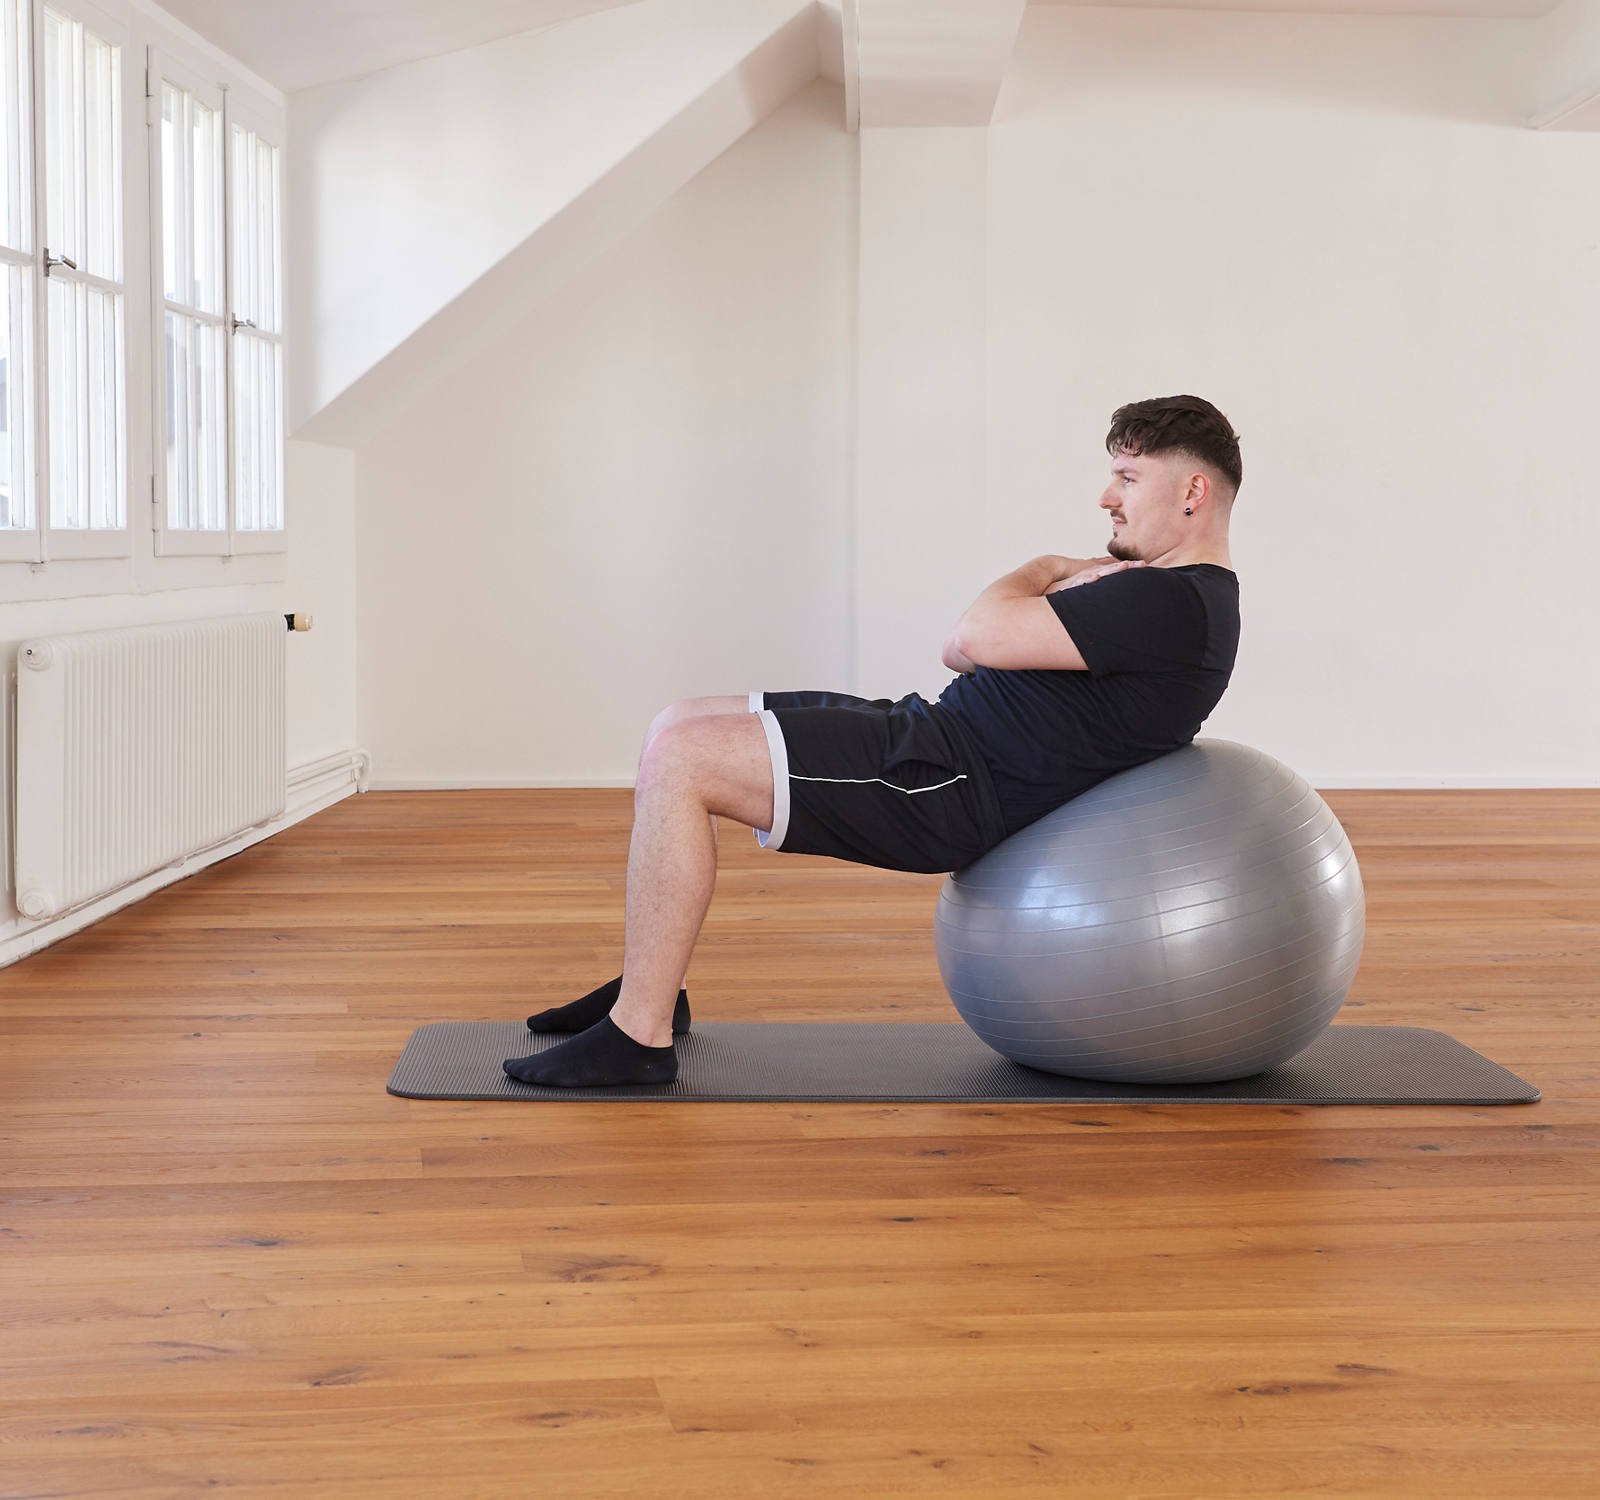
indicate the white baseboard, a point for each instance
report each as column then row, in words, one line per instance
column 312, row 787
column 321, row 783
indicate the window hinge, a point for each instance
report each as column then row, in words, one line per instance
column 149, row 100
column 155, row 506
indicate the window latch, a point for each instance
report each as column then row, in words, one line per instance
column 56, row 260
column 239, row 323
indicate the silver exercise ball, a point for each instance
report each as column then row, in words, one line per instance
column 1195, row 919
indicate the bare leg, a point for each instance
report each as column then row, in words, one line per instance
column 693, row 708
column 672, row 870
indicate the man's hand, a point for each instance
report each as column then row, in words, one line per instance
column 1096, row 567
column 1042, row 575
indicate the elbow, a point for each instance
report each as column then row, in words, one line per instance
column 957, row 657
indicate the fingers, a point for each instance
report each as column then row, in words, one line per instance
column 1088, row 575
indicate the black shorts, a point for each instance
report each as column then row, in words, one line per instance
column 876, row 782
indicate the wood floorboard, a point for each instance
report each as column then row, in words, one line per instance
column 233, row 1264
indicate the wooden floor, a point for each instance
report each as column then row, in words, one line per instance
column 231, row 1263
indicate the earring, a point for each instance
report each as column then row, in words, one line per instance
column 1188, row 511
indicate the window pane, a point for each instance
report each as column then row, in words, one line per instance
column 68, row 507
column 180, row 425
column 63, row 141
column 102, row 102
column 103, row 372
column 87, row 454
column 258, row 432
column 83, row 216
column 16, row 399
column 211, row 431
column 16, row 122
column 246, row 438
column 83, row 147
column 257, row 273
column 191, row 201
column 258, row 362
column 272, row 518
column 206, row 154
column 195, row 495
column 174, row 176
column 244, row 259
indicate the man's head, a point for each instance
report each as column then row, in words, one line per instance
column 1175, row 471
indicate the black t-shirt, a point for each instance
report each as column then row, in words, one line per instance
column 1159, row 644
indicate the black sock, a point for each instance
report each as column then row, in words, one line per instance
column 582, row 1014
column 603, row 1054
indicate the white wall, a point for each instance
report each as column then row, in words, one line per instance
column 1337, row 230
column 920, row 408
column 1335, row 227
column 428, row 191
column 641, row 492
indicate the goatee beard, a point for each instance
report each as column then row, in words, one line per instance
column 1119, row 549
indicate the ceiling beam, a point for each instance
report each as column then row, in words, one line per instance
column 926, row 62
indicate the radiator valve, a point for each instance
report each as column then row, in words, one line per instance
column 35, row 902
column 297, row 621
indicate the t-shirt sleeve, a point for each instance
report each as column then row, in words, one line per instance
column 1138, row 620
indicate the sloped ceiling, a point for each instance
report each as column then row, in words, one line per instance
column 907, row 59
column 297, row 44
column 493, row 174
column 684, row 77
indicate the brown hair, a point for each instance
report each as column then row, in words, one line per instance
column 1184, row 425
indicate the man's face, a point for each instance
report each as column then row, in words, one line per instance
column 1137, row 500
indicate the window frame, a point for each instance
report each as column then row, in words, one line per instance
column 250, row 116
column 66, row 542
column 25, row 544
column 170, row 541
column 34, row 565
column 44, row 543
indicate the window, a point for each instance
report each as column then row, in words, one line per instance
column 17, row 500
column 87, row 479
column 207, row 363
column 62, row 327
column 193, row 439
column 217, row 185
column 256, row 236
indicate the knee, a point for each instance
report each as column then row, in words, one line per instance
column 668, row 716
column 669, row 756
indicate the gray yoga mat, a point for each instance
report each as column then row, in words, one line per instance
column 902, row 1061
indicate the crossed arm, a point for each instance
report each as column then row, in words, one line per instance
column 1009, row 625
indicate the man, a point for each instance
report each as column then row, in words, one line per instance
column 1071, row 669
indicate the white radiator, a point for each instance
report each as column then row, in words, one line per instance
column 138, row 747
